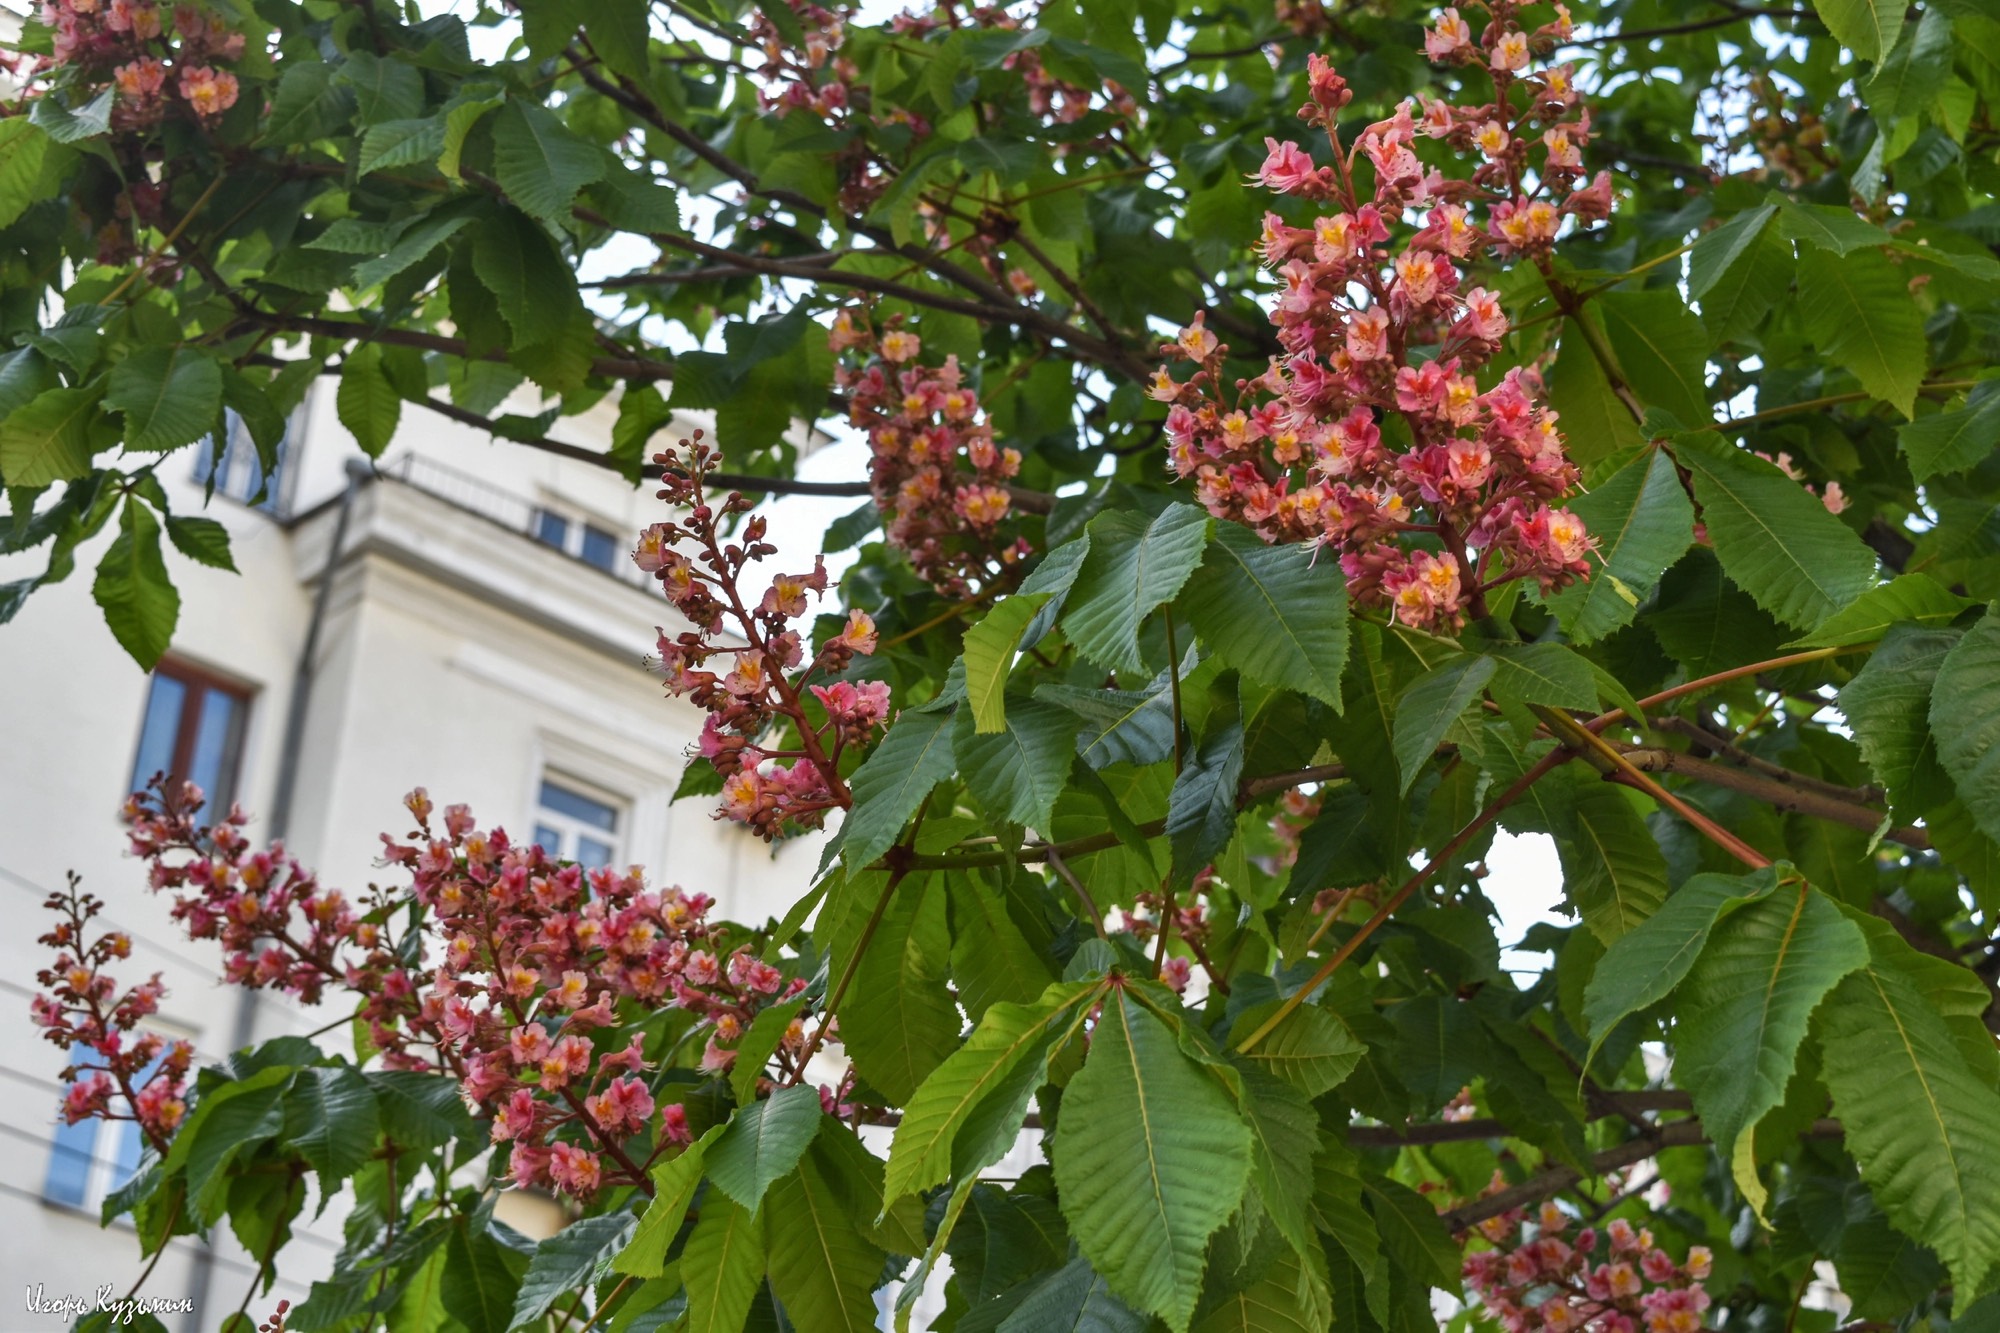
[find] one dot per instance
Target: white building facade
(478, 630)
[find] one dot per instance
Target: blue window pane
(548, 839)
(600, 548)
(590, 853)
(131, 1146)
(160, 729)
(212, 766)
(552, 528)
(579, 807)
(69, 1163)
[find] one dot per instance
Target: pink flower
(141, 80)
(1451, 36)
(574, 1170)
(209, 91)
(1287, 169)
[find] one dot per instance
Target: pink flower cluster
(128, 41)
(806, 70)
(541, 964)
(84, 1008)
(1548, 1282)
(1373, 432)
(754, 696)
(937, 475)
(279, 928)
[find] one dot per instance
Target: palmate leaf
(1662, 349)
(1150, 1159)
(169, 395)
(1888, 703)
(898, 1021)
(1954, 440)
(1866, 27)
(1642, 521)
(821, 1265)
(366, 403)
(1311, 1049)
(1775, 541)
(574, 1257)
(1011, 1037)
(723, 1265)
(893, 781)
(1430, 705)
(1913, 598)
(1073, 1299)
(1201, 808)
(1645, 964)
(1133, 567)
(52, 437)
(1923, 1129)
(132, 588)
(1858, 309)
(1018, 773)
(1746, 1002)
(1612, 869)
(1965, 720)
(1118, 726)
(674, 1184)
(989, 655)
(330, 1118)
(539, 162)
(763, 1143)
(1276, 613)
(991, 959)
(1281, 1301)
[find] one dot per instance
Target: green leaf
(1612, 868)
(366, 403)
(1888, 703)
(1643, 966)
(419, 1111)
(331, 1120)
(133, 590)
(1757, 278)
(763, 1143)
(1956, 440)
(991, 959)
(1073, 1299)
(723, 1265)
(228, 1120)
(1119, 726)
(169, 395)
(759, 1042)
(821, 1265)
(401, 143)
(1642, 521)
(478, 1285)
(1965, 720)
(23, 149)
(1662, 349)
(202, 540)
(1018, 774)
(1288, 1298)
(531, 282)
(539, 162)
(1311, 1049)
(1412, 1234)
(1718, 251)
(1747, 1000)
(1201, 807)
(674, 1184)
(1908, 79)
(1775, 541)
(1275, 613)
(577, 1256)
(1908, 598)
(1133, 567)
(1150, 1159)
(1826, 226)
(892, 782)
(1866, 27)
(631, 201)
(1542, 673)
(1428, 707)
(989, 656)
(898, 1021)
(53, 437)
(413, 246)
(384, 89)
(465, 110)
(1923, 1129)
(1857, 308)
(63, 125)
(1011, 1038)
(309, 105)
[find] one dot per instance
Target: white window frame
(568, 828)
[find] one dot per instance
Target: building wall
(456, 653)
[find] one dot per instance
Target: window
(575, 826)
(192, 729)
(586, 541)
(93, 1158)
(237, 471)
